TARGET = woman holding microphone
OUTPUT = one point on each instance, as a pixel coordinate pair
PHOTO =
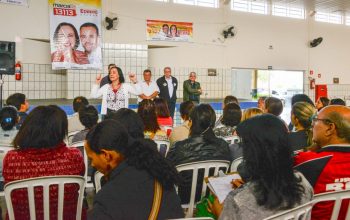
(115, 94)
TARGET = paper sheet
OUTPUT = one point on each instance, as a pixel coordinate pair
(221, 186)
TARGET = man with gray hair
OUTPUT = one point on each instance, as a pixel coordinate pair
(192, 89)
(167, 85)
(328, 168)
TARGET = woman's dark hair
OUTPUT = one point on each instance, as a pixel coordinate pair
(120, 74)
(147, 112)
(268, 161)
(337, 101)
(55, 34)
(185, 109)
(230, 99)
(45, 126)
(16, 99)
(8, 117)
(232, 115)
(301, 98)
(79, 102)
(131, 121)
(88, 116)
(325, 101)
(203, 121)
(141, 153)
(162, 109)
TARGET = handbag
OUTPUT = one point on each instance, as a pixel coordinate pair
(157, 200)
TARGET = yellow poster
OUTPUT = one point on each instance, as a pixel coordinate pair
(169, 31)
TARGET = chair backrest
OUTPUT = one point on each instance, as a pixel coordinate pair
(167, 129)
(302, 212)
(198, 218)
(232, 139)
(235, 163)
(195, 167)
(163, 147)
(45, 182)
(337, 197)
(86, 163)
(98, 178)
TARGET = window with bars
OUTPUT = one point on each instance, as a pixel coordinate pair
(329, 18)
(205, 3)
(250, 6)
(287, 11)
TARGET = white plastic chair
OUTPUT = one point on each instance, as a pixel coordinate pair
(167, 129)
(235, 164)
(199, 218)
(302, 212)
(162, 144)
(337, 197)
(206, 165)
(86, 163)
(45, 182)
(3, 151)
(97, 178)
(232, 139)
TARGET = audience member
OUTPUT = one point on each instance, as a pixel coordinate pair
(21, 103)
(192, 89)
(273, 106)
(135, 172)
(74, 123)
(301, 118)
(328, 169)
(149, 88)
(227, 100)
(181, 132)
(321, 103)
(231, 117)
(273, 185)
(8, 120)
(250, 112)
(41, 151)
(147, 112)
(337, 101)
(162, 111)
(88, 117)
(261, 102)
(201, 145)
(299, 98)
(167, 85)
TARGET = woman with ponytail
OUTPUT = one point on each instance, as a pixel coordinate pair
(201, 145)
(134, 172)
(301, 118)
(8, 120)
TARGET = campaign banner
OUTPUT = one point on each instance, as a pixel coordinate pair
(16, 2)
(169, 31)
(75, 34)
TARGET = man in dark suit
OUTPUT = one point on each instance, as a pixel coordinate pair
(167, 89)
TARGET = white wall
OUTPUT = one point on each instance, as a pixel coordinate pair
(248, 49)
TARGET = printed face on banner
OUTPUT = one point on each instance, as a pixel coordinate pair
(169, 31)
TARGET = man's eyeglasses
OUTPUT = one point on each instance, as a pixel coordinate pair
(325, 120)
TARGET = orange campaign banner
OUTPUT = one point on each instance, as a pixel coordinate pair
(169, 31)
(75, 34)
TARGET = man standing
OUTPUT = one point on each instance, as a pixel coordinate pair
(149, 89)
(167, 89)
(328, 169)
(89, 38)
(192, 89)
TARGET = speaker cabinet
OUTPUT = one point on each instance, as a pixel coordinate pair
(7, 57)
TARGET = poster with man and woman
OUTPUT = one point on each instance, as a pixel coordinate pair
(75, 34)
(169, 31)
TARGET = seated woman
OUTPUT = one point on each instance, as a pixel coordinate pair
(272, 185)
(147, 112)
(88, 117)
(230, 119)
(301, 119)
(201, 145)
(40, 151)
(8, 120)
(135, 172)
(321, 103)
(162, 111)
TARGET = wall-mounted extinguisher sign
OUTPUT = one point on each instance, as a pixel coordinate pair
(312, 83)
(18, 71)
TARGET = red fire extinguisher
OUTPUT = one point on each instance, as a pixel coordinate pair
(18, 70)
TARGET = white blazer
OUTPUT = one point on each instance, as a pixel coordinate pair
(97, 92)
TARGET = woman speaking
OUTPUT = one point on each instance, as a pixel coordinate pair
(115, 94)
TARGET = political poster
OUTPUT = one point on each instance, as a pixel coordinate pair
(75, 34)
(169, 31)
(16, 2)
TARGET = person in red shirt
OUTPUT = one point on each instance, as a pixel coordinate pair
(328, 169)
(40, 151)
(162, 111)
